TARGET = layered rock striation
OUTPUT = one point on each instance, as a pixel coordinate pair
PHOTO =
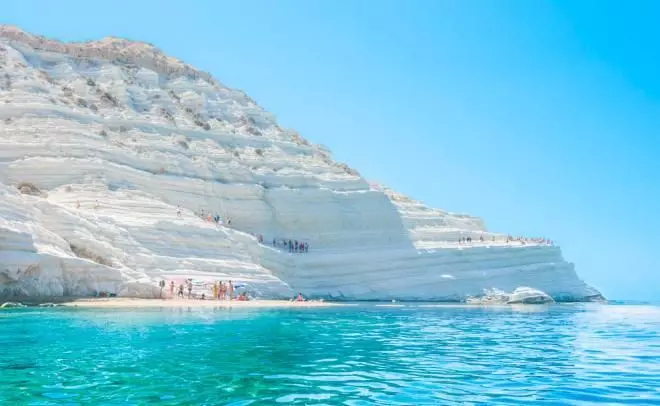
(110, 149)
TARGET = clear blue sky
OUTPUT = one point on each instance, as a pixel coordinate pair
(540, 116)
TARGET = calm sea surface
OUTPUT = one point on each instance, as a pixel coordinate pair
(412, 355)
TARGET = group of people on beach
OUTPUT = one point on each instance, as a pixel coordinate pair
(220, 291)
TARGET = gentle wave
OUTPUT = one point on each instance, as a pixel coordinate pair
(368, 354)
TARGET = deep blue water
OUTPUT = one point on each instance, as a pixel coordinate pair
(412, 355)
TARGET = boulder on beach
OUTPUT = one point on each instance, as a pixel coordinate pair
(10, 305)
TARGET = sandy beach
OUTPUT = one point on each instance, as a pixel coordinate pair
(174, 303)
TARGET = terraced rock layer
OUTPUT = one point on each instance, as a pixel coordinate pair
(102, 141)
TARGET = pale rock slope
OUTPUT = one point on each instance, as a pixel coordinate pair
(101, 141)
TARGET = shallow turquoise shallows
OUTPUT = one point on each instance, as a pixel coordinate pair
(367, 354)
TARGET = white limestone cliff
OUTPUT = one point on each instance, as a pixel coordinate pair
(101, 141)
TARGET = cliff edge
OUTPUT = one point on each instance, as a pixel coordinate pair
(121, 166)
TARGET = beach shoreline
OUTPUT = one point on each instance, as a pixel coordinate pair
(122, 302)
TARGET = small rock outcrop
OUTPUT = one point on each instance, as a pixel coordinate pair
(11, 305)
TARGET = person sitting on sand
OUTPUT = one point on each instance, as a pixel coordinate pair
(300, 298)
(243, 297)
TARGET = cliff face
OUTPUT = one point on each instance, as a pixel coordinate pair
(102, 141)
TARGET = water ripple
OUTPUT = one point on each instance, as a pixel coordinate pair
(364, 355)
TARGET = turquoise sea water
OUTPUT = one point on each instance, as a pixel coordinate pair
(412, 355)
